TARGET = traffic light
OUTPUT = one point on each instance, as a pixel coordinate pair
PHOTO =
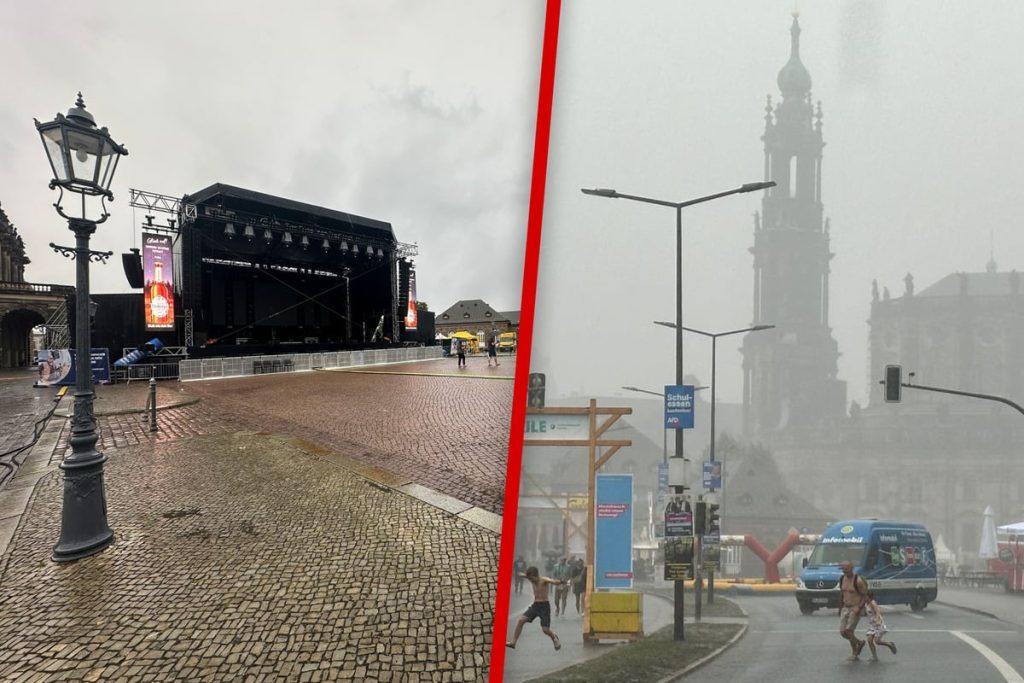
(893, 380)
(535, 389)
(700, 519)
(713, 522)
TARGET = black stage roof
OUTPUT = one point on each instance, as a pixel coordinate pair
(291, 210)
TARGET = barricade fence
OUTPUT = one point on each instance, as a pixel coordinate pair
(243, 366)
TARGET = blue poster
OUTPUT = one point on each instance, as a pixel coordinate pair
(57, 367)
(613, 564)
(712, 475)
(679, 406)
(662, 479)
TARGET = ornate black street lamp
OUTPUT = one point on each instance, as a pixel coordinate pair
(83, 159)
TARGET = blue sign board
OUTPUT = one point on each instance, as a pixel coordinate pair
(679, 406)
(712, 474)
(613, 564)
(662, 479)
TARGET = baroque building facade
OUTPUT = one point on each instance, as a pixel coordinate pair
(933, 458)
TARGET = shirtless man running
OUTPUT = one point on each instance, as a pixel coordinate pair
(540, 607)
(853, 592)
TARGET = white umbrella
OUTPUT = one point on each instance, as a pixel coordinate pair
(989, 548)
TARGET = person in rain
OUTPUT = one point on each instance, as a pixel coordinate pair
(492, 351)
(540, 608)
(518, 567)
(876, 627)
(853, 595)
(460, 349)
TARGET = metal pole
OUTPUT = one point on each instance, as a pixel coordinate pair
(714, 340)
(84, 529)
(679, 611)
(152, 404)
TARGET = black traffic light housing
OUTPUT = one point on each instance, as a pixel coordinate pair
(535, 390)
(700, 519)
(893, 381)
(713, 521)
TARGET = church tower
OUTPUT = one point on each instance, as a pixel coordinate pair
(790, 371)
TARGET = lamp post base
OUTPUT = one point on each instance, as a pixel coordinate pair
(84, 530)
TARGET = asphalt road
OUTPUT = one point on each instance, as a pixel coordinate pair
(940, 644)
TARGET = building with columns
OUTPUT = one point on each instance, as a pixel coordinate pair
(23, 305)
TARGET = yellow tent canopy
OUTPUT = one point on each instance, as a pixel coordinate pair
(463, 335)
(472, 342)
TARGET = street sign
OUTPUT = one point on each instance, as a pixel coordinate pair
(614, 530)
(551, 427)
(712, 474)
(679, 406)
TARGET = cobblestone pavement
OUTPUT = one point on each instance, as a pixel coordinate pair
(441, 427)
(21, 405)
(241, 557)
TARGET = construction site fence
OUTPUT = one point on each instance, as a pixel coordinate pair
(244, 366)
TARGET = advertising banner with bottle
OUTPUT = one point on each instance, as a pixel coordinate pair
(158, 268)
(411, 313)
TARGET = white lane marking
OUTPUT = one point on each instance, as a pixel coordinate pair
(1001, 665)
(915, 616)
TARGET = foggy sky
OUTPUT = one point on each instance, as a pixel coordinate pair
(922, 112)
(419, 114)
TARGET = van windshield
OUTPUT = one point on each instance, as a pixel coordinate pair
(834, 553)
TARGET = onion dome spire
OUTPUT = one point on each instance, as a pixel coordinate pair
(794, 79)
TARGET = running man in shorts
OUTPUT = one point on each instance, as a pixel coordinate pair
(853, 595)
(540, 607)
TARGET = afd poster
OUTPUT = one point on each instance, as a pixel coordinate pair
(613, 564)
(679, 406)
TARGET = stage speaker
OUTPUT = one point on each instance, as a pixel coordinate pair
(132, 263)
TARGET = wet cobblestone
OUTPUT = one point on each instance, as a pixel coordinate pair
(240, 557)
(444, 428)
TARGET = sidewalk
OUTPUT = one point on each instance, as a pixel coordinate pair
(534, 654)
(1008, 607)
(240, 556)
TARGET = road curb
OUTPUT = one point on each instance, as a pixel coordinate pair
(133, 411)
(975, 610)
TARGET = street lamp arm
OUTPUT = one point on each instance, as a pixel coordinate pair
(715, 335)
(613, 194)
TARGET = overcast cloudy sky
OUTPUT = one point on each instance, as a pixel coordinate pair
(417, 113)
(922, 116)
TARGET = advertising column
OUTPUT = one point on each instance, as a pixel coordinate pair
(613, 562)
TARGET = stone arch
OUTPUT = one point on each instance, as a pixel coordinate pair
(16, 326)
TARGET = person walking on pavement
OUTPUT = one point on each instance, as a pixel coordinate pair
(876, 628)
(853, 592)
(492, 351)
(540, 608)
(562, 591)
(579, 583)
(461, 350)
(518, 568)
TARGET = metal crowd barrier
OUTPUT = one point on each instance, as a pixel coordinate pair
(210, 368)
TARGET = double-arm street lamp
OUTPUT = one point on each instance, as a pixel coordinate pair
(714, 339)
(679, 206)
(83, 159)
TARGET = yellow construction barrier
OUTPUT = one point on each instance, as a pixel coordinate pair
(616, 616)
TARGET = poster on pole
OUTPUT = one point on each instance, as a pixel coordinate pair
(158, 268)
(613, 561)
(712, 479)
(679, 406)
(679, 558)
